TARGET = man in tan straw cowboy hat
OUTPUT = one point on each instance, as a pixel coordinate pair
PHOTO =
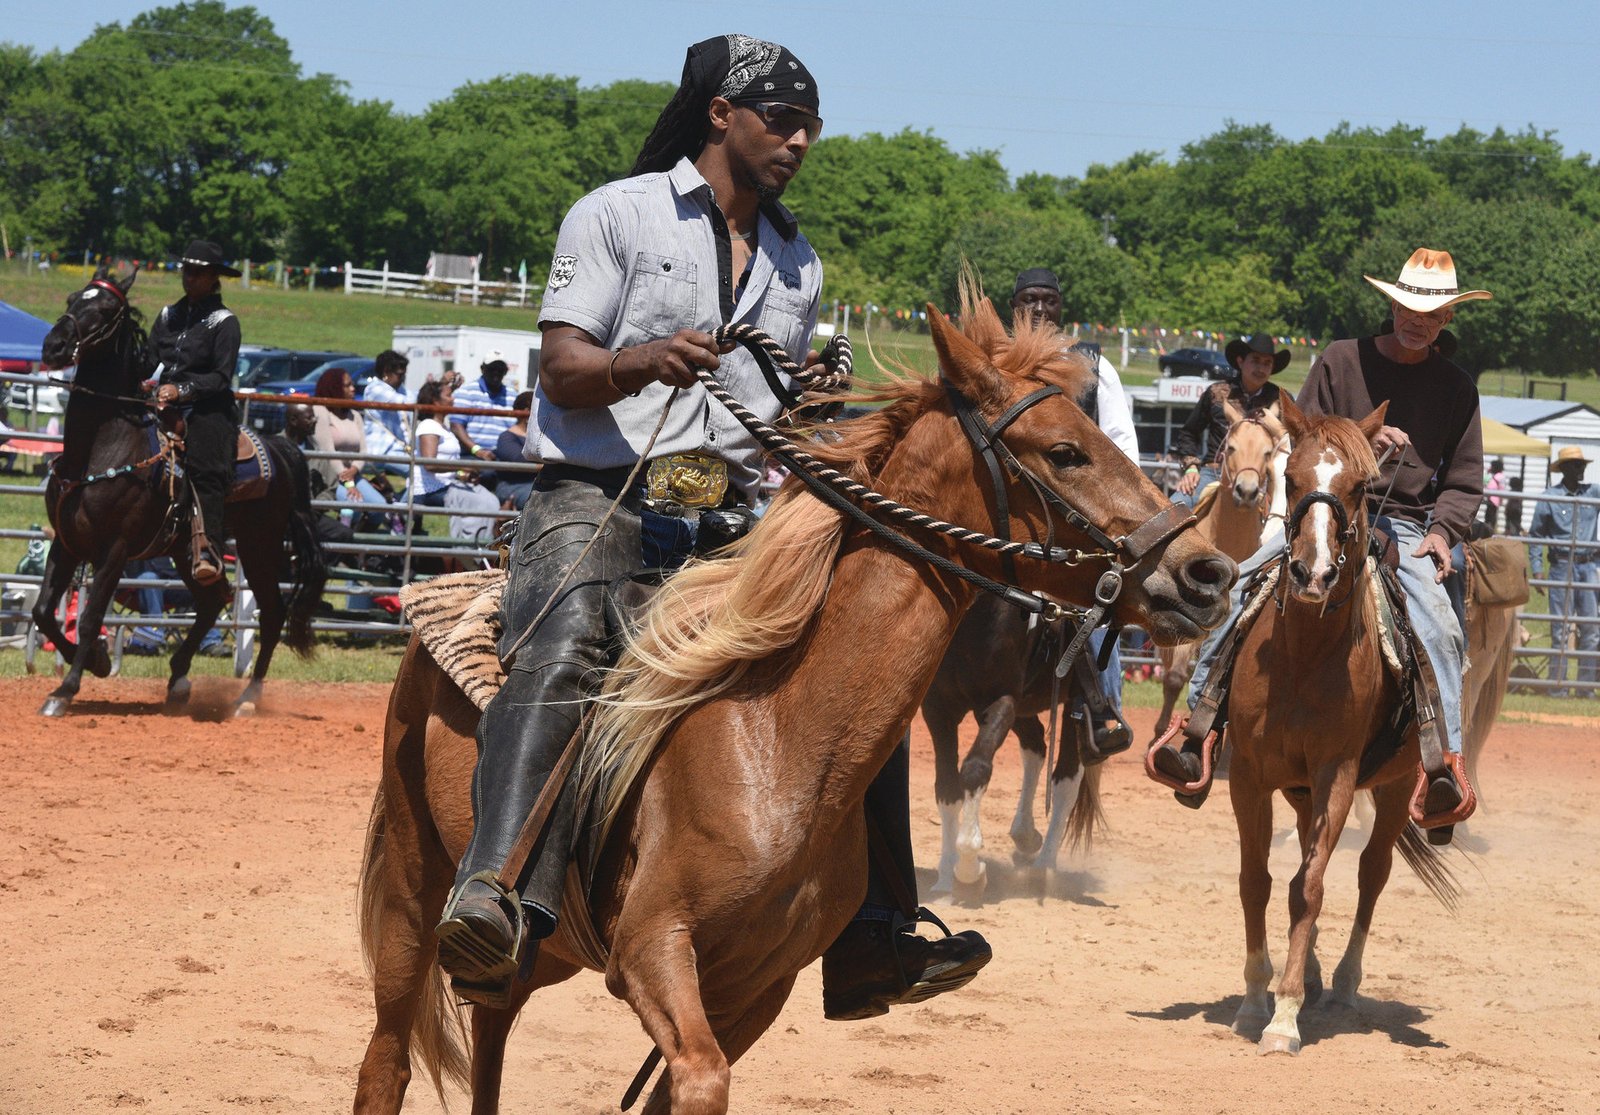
(1431, 483)
(1574, 564)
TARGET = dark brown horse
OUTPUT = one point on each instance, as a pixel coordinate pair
(761, 695)
(1310, 691)
(1001, 668)
(110, 500)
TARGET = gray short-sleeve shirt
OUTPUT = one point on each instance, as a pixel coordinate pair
(636, 260)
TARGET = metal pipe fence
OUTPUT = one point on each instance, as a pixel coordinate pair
(1572, 575)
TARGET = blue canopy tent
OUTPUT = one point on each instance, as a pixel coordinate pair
(21, 334)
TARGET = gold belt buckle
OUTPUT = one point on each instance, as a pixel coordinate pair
(687, 479)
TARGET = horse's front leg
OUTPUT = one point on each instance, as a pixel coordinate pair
(994, 723)
(943, 717)
(90, 650)
(1065, 782)
(1025, 834)
(1391, 801)
(1329, 806)
(1252, 811)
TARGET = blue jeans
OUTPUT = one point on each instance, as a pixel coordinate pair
(1208, 475)
(364, 520)
(1110, 678)
(666, 540)
(1578, 605)
(1428, 605)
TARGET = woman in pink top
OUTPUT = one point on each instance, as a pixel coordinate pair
(341, 430)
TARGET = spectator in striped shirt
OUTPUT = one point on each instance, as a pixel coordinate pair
(478, 433)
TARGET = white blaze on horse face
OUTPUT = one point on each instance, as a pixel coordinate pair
(1322, 525)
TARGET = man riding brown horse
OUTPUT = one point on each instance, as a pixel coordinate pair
(1426, 498)
(644, 269)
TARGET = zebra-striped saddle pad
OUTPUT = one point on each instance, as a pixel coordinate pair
(457, 618)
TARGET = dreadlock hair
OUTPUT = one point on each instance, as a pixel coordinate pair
(680, 132)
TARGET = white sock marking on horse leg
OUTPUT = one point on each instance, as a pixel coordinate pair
(1024, 833)
(949, 826)
(1347, 976)
(1062, 796)
(1256, 1009)
(969, 839)
(1282, 1034)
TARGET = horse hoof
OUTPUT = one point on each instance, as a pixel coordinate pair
(177, 696)
(1279, 1043)
(1027, 845)
(244, 709)
(970, 894)
(55, 706)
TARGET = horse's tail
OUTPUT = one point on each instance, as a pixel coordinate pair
(1086, 813)
(1427, 863)
(437, 1033)
(310, 566)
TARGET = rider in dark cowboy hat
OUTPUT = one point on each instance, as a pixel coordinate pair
(1255, 362)
(196, 341)
(645, 269)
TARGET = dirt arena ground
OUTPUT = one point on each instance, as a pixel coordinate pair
(177, 901)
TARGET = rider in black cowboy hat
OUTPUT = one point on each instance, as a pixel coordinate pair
(1255, 362)
(196, 341)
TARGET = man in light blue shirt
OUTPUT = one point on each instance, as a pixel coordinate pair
(478, 433)
(1574, 563)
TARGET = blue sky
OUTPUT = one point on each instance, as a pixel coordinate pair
(1053, 86)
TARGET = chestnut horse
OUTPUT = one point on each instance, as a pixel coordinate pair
(1309, 691)
(759, 697)
(1001, 668)
(1234, 517)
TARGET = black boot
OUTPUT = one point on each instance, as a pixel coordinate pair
(876, 964)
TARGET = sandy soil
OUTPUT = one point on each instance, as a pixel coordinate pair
(177, 899)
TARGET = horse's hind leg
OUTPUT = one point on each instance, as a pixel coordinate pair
(1377, 858)
(209, 601)
(994, 724)
(1025, 836)
(261, 563)
(1065, 781)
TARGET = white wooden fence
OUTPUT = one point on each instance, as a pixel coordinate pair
(474, 290)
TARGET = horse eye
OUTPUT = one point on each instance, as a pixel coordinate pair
(1066, 455)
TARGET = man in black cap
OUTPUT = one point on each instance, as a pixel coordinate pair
(644, 270)
(196, 341)
(1256, 362)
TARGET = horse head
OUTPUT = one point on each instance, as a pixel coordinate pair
(1092, 515)
(1247, 452)
(1326, 480)
(93, 321)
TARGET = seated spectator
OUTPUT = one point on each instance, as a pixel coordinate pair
(340, 430)
(156, 602)
(385, 429)
(9, 458)
(440, 483)
(512, 488)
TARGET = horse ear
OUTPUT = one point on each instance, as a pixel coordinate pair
(963, 362)
(1272, 422)
(1372, 423)
(126, 284)
(1294, 419)
(100, 272)
(1231, 412)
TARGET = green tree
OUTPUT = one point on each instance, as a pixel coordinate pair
(1235, 295)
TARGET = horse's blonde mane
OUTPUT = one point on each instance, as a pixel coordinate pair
(713, 620)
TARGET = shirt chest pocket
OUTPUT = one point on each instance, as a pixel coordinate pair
(661, 294)
(783, 316)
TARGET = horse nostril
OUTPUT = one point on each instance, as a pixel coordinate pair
(1209, 571)
(1300, 572)
(1329, 577)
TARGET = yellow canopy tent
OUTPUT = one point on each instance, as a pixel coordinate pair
(1500, 440)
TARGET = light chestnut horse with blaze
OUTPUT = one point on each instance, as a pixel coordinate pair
(1233, 516)
(1309, 691)
(759, 697)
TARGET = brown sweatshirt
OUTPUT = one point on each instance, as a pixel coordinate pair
(1440, 481)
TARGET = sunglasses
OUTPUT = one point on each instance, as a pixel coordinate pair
(786, 119)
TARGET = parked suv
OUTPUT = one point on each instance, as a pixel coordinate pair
(1196, 362)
